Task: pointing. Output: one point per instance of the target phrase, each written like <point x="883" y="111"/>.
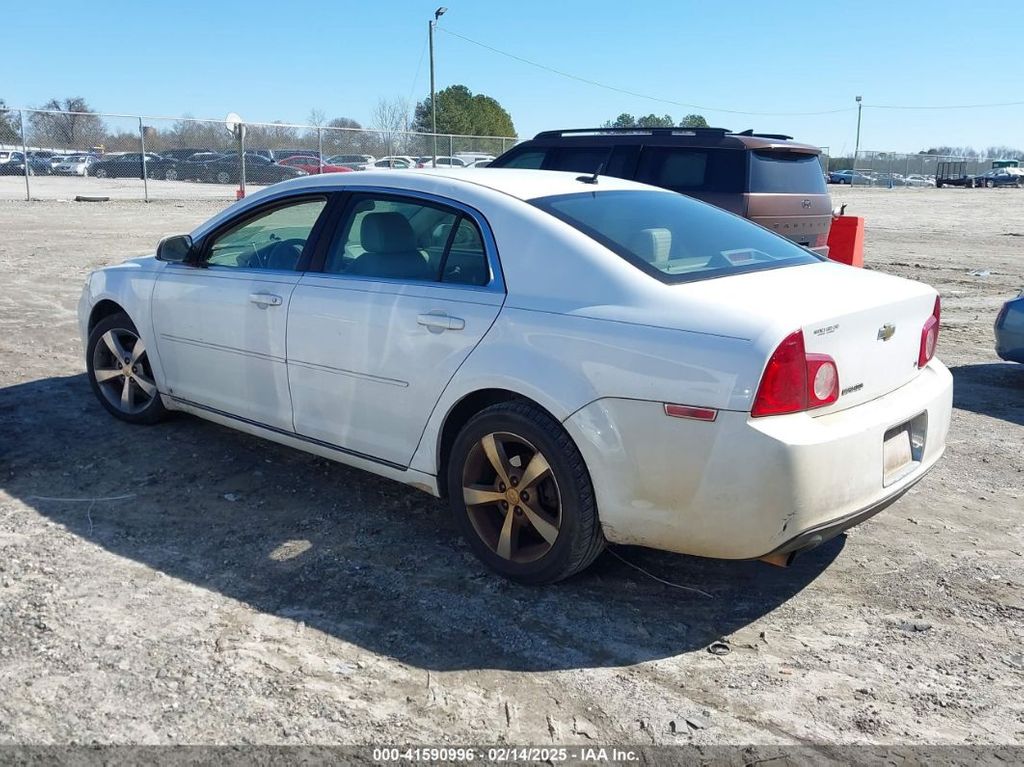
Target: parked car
<point x="76" y="165"/>
<point x="920" y="180"/>
<point x="7" y="155"/>
<point x="443" y="161"/>
<point x="767" y="178"/>
<point x="479" y="164"/>
<point x="312" y="165"/>
<point x="1009" y="330"/>
<point x="182" y="154"/>
<point x="850" y="177"/>
<point x="679" y="378"/>
<point x="258" y="170"/>
<point x="353" y="161"/>
<point x="43" y="161"/>
<point x="1001" y="177"/>
<point x="400" y="162"/>
<point x="284" y="154"/>
<point x="126" y="165"/>
<point x="37" y="166"/>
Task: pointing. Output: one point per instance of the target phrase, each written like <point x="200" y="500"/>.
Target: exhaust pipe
<point x="779" y="560"/>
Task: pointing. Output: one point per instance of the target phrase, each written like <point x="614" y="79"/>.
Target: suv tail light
<point x="794" y="380"/>
<point x="929" y="336"/>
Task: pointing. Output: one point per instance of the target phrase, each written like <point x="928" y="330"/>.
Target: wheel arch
<point x="460" y="414"/>
<point x="103" y="309"/>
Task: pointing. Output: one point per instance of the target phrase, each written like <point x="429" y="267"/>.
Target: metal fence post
<point x="24" y="151"/>
<point x="320" y="146"/>
<point x="145" y="171"/>
<point x="241" y="157"/>
<point x="451" y="145"/>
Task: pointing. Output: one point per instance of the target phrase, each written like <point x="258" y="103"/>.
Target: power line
<point x="634" y="93"/>
<point x="648" y="97"/>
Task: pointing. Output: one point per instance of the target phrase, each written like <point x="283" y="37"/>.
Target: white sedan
<point x="569" y="359"/>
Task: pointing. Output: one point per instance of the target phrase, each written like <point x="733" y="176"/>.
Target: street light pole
<point x="433" y="102"/>
<point x="856" y="146"/>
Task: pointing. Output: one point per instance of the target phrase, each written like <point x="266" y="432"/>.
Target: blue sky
<point x="278" y="60"/>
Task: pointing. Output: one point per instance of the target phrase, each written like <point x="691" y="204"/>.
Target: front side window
<point x="672" y="237"/>
<point x="399" y="238"/>
<point x="271" y="240"/>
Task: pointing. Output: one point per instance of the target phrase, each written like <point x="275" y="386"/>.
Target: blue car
<point x="1009" y="329"/>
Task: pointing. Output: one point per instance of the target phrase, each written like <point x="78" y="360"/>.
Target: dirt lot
<point x="236" y="591"/>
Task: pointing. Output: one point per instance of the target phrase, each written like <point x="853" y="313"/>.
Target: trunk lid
<point x="869" y="323"/>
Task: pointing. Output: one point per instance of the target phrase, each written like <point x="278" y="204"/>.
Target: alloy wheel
<point x="122" y="371"/>
<point x="511" y="497"/>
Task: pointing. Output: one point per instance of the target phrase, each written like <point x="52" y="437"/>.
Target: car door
<point x="406" y="289"/>
<point x="220" y="322"/>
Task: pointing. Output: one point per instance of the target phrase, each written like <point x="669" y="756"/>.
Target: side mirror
<point x="176" y="249"/>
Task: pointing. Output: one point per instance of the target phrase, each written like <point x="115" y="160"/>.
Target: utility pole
<point x="856" y="145"/>
<point x="433" y="101"/>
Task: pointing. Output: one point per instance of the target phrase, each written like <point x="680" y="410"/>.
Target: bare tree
<point x="391" y="118"/>
<point x="68" y="123"/>
<point x="317" y="117"/>
<point x="10" y="128"/>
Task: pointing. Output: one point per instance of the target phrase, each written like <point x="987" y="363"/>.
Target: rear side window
<point x="786" y="173"/>
<point x="693" y="170"/>
<point x="387" y="237"/>
<point x="672" y="237"/>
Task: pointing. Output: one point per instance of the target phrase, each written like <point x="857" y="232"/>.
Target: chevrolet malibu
<point x="569" y="360"/>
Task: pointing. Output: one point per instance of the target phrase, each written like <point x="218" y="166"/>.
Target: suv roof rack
<point x="676" y="131"/>
<point x="750" y="132"/>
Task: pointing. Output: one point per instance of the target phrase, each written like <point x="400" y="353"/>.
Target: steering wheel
<point x="283" y="255"/>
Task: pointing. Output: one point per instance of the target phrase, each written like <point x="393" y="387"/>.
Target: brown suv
<point x="767" y="178"/>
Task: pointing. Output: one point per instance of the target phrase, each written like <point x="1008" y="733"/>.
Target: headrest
<point x="386" y="233"/>
<point x="653" y="245"/>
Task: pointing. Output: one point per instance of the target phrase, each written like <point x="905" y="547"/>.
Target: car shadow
<point x="994" y="389"/>
<point x="364" y="559"/>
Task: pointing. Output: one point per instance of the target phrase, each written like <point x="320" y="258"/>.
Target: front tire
<point x="100" y="173"/>
<point x="120" y="373"/>
<point x="521" y="495"/>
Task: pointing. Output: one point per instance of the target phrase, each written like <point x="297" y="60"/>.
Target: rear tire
<point x="120" y="373"/>
<point x="542" y="525"/>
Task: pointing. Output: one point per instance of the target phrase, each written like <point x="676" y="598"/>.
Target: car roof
<point x="520" y="183"/>
<point x="695" y="137"/>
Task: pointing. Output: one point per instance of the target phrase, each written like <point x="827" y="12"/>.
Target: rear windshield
<point x="672" y="237"/>
<point x="786" y="173"/>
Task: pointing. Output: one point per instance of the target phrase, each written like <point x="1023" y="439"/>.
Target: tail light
<point x="929" y="336"/>
<point x="794" y="380"/>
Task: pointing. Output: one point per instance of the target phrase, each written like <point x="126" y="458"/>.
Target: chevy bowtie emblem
<point x="886" y="332"/>
<point x="805" y="203"/>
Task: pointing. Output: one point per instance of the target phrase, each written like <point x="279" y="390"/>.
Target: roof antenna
<point x="591" y="179"/>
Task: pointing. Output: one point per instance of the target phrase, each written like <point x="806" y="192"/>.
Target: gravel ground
<point x="221" y="589"/>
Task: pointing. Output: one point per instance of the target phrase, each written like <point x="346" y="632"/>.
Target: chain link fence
<point x="59" y="155"/>
<point x="893" y="170"/>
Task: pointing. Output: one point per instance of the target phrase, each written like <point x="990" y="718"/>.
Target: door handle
<point x="439" y="321"/>
<point x="263" y="300"/>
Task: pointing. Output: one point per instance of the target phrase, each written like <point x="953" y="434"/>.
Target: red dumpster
<point x="846" y="240"/>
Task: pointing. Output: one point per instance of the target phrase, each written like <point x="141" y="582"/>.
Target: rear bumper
<point x="741" y="487"/>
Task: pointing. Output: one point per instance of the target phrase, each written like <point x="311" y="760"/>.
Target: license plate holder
<point x="903" y="448"/>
